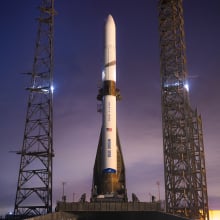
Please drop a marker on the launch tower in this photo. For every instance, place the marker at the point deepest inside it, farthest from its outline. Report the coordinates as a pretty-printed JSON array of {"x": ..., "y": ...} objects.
[
  {"x": 184, "y": 158},
  {"x": 34, "y": 187}
]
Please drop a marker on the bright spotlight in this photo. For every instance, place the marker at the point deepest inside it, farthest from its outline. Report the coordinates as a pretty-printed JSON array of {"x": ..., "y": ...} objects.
[
  {"x": 186, "y": 86},
  {"x": 52, "y": 88}
]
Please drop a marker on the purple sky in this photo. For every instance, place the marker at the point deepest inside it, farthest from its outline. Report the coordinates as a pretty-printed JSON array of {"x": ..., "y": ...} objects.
[{"x": 79, "y": 33}]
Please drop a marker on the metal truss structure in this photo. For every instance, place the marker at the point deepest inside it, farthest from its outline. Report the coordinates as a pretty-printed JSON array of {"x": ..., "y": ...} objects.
[
  {"x": 34, "y": 187},
  {"x": 184, "y": 158}
]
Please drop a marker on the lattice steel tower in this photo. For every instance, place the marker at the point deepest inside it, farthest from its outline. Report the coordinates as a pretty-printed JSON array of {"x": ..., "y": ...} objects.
[
  {"x": 34, "y": 187},
  {"x": 184, "y": 158}
]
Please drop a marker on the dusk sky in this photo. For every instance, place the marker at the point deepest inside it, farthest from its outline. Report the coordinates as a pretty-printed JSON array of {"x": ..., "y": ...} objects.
[{"x": 78, "y": 63}]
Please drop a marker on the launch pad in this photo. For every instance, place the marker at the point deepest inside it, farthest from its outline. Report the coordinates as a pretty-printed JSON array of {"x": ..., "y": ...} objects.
[
  {"x": 134, "y": 210},
  {"x": 109, "y": 211},
  {"x": 109, "y": 193}
]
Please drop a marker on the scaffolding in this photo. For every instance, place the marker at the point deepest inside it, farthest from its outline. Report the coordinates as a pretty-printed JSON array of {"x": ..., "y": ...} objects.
[
  {"x": 34, "y": 186},
  {"x": 184, "y": 158}
]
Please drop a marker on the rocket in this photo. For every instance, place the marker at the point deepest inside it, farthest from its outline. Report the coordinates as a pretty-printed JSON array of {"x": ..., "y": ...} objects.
[{"x": 109, "y": 171}]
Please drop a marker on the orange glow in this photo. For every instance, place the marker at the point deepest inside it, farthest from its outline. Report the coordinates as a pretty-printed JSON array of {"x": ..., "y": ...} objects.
[{"x": 214, "y": 214}]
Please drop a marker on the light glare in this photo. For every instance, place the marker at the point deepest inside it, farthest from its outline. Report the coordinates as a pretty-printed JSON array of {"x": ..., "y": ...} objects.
[
  {"x": 52, "y": 88},
  {"x": 186, "y": 86}
]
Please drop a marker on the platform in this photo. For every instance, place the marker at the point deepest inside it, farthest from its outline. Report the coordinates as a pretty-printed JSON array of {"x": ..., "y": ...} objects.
[
  {"x": 108, "y": 211},
  {"x": 118, "y": 215},
  {"x": 77, "y": 207}
]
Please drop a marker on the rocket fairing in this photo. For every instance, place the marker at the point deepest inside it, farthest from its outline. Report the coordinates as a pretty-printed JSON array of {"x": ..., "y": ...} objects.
[{"x": 109, "y": 170}]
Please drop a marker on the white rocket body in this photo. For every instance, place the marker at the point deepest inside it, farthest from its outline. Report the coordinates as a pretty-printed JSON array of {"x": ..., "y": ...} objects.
[
  {"x": 109, "y": 170},
  {"x": 109, "y": 146}
]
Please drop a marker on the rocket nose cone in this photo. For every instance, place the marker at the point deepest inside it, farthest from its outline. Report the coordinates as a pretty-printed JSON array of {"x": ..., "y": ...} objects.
[
  {"x": 110, "y": 21},
  {"x": 110, "y": 18}
]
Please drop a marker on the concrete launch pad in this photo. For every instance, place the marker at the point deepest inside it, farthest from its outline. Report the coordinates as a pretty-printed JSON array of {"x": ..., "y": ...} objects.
[
  {"x": 149, "y": 215},
  {"x": 108, "y": 211}
]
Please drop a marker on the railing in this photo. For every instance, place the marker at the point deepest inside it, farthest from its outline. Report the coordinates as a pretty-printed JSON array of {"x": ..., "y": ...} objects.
[{"x": 108, "y": 206}]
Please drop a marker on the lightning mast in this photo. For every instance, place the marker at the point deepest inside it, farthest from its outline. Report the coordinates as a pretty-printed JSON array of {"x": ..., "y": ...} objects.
[
  {"x": 34, "y": 186},
  {"x": 184, "y": 158}
]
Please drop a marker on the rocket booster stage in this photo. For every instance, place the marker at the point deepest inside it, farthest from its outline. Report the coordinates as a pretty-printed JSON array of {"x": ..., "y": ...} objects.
[{"x": 109, "y": 171}]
